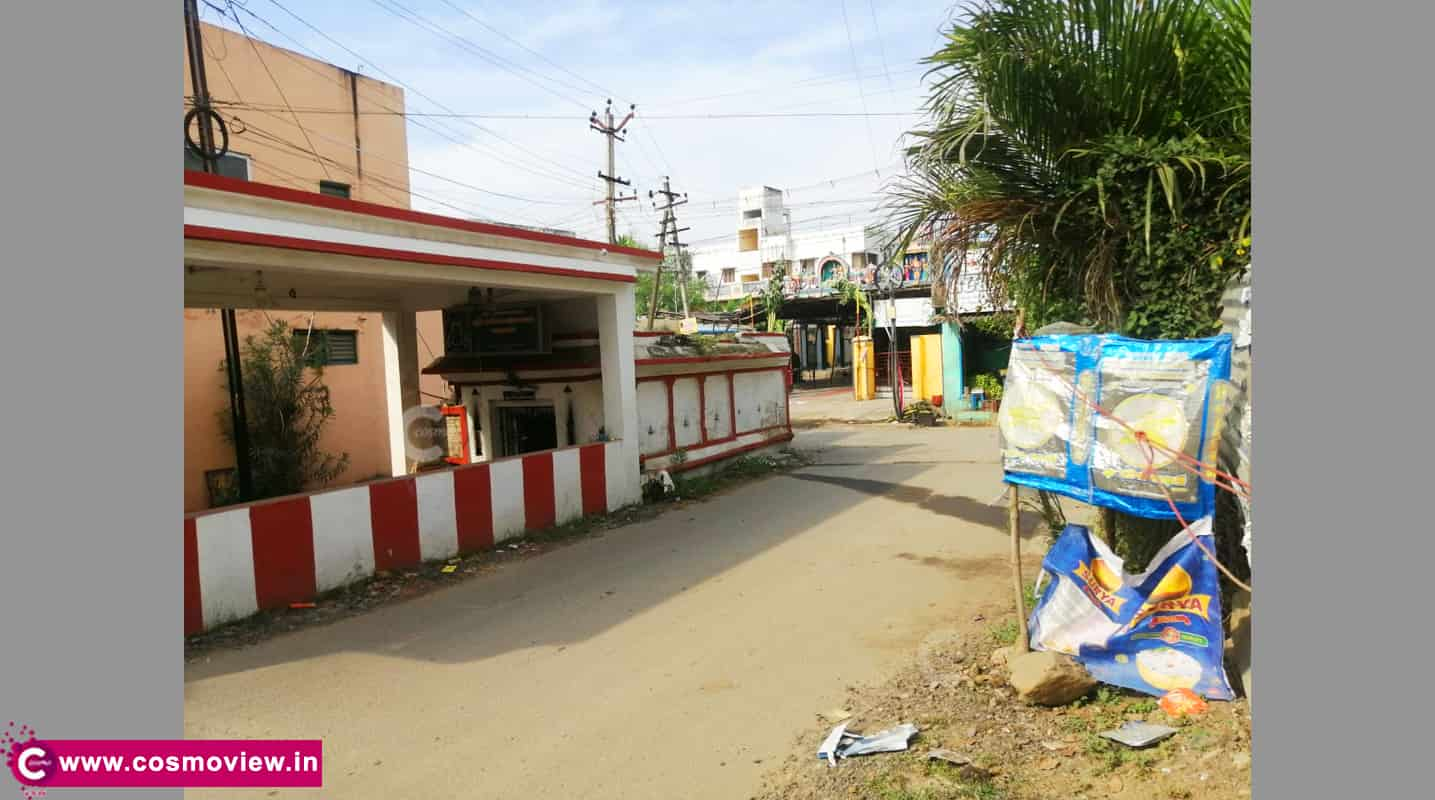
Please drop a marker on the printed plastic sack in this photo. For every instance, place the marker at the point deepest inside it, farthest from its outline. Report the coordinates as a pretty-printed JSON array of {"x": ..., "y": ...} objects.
[
  {"x": 1153, "y": 632},
  {"x": 1175, "y": 392}
]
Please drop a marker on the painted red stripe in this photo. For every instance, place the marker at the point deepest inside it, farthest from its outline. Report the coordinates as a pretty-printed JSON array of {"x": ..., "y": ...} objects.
[
  {"x": 732, "y": 405},
  {"x": 204, "y": 180},
  {"x": 207, "y": 233},
  {"x": 591, "y": 376},
  {"x": 394, "y": 510},
  {"x": 593, "y": 474},
  {"x": 736, "y": 451},
  {"x": 672, "y": 425},
  {"x": 538, "y": 501},
  {"x": 473, "y": 508},
  {"x": 494, "y": 365},
  {"x": 705, "y": 373},
  {"x": 282, "y": 535},
  {"x": 643, "y": 362},
  {"x": 193, "y": 605}
]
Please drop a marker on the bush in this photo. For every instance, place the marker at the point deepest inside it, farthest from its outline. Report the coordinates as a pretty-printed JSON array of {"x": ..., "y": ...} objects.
[{"x": 287, "y": 405}]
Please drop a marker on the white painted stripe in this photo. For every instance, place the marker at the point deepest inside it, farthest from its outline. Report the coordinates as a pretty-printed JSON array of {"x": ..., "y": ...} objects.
[
  {"x": 620, "y": 464},
  {"x": 505, "y": 480},
  {"x": 567, "y": 486},
  {"x": 438, "y": 519},
  {"x": 226, "y": 566},
  {"x": 229, "y": 220},
  {"x": 343, "y": 537}
]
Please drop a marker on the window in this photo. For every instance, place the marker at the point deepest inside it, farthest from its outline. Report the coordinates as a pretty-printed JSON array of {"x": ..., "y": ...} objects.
[
  {"x": 231, "y": 165},
  {"x": 755, "y": 213},
  {"x": 767, "y": 270},
  {"x": 334, "y": 189},
  {"x": 729, "y": 275},
  {"x": 329, "y": 348}
]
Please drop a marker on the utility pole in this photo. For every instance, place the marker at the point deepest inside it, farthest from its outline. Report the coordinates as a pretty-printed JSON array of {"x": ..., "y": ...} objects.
[
  {"x": 670, "y": 228},
  {"x": 209, "y": 155},
  {"x": 613, "y": 132}
]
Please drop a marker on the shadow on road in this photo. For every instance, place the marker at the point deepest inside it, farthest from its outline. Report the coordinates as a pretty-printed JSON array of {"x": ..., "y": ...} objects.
[{"x": 963, "y": 508}]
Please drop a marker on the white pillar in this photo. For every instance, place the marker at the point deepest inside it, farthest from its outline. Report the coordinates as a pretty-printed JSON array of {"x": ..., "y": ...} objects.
[
  {"x": 620, "y": 385},
  {"x": 401, "y": 381}
]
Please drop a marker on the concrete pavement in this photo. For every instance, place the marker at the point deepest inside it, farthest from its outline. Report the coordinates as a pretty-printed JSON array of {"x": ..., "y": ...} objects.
[{"x": 671, "y": 658}]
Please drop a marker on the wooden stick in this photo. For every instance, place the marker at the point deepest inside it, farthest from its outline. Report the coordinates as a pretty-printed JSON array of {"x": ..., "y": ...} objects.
[{"x": 1023, "y": 643}]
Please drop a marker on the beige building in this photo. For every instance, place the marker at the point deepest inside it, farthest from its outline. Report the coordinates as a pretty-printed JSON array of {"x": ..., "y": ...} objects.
[{"x": 363, "y": 156}]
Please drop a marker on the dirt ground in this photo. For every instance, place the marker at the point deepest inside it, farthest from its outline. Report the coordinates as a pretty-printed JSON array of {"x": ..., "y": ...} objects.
[{"x": 956, "y": 695}]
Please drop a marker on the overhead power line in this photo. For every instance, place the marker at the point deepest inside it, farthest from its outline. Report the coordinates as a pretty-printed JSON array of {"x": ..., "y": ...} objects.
[
  {"x": 861, "y": 92},
  {"x": 440, "y": 132},
  {"x": 411, "y": 168},
  {"x": 405, "y": 13},
  {"x": 409, "y": 87},
  {"x": 571, "y": 117},
  {"x": 530, "y": 50}
]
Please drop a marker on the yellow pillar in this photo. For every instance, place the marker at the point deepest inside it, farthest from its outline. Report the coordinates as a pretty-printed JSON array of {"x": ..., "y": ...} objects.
[
  {"x": 864, "y": 369},
  {"x": 927, "y": 366},
  {"x": 831, "y": 343}
]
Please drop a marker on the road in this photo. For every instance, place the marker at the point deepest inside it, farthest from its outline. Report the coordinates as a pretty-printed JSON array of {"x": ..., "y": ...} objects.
[{"x": 676, "y": 657}]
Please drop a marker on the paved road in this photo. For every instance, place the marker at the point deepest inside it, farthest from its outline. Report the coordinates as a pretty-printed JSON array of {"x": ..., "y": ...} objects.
[{"x": 661, "y": 660}]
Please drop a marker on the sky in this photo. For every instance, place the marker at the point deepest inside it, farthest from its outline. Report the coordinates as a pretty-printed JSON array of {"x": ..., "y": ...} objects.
[{"x": 546, "y": 66}]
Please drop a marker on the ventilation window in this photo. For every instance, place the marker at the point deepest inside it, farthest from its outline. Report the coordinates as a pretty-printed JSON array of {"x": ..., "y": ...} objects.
[{"x": 329, "y": 348}]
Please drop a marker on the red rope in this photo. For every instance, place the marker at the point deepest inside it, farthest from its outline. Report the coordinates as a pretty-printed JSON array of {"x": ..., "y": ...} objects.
[
  {"x": 1185, "y": 526},
  {"x": 1194, "y": 465}
]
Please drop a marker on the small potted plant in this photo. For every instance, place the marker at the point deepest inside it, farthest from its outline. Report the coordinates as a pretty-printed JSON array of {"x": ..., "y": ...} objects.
[{"x": 990, "y": 387}]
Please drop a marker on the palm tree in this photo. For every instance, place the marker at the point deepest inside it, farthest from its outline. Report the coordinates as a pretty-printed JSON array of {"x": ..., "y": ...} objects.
[
  {"x": 851, "y": 292},
  {"x": 1094, "y": 154}
]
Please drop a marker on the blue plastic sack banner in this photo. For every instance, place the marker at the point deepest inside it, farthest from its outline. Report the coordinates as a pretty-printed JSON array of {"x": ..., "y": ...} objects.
[
  {"x": 1154, "y": 632},
  {"x": 1177, "y": 392}
]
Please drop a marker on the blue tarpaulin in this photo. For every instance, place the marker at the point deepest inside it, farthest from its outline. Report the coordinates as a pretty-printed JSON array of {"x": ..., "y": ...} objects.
[{"x": 1174, "y": 393}]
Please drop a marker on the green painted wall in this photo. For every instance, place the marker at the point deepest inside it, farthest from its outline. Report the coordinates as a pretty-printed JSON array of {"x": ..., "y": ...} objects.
[{"x": 952, "y": 383}]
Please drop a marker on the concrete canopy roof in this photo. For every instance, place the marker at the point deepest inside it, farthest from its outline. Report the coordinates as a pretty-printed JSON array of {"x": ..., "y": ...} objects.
[{"x": 310, "y": 251}]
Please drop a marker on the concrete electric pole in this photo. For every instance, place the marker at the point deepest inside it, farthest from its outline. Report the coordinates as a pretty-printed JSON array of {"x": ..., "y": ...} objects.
[
  {"x": 670, "y": 229},
  {"x": 613, "y": 133}
]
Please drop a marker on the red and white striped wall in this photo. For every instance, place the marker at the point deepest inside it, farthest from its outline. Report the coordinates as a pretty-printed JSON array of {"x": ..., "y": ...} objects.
[{"x": 266, "y": 555}]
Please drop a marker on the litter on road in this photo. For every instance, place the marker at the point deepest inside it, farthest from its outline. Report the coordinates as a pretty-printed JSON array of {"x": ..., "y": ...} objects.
[
  {"x": 841, "y": 743},
  {"x": 949, "y": 756},
  {"x": 1139, "y": 734}
]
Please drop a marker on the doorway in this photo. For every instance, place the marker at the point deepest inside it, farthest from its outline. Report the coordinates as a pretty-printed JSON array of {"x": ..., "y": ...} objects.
[{"x": 524, "y": 429}]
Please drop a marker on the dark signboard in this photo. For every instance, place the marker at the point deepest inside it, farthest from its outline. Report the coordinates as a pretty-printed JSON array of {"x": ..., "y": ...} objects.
[{"x": 479, "y": 330}]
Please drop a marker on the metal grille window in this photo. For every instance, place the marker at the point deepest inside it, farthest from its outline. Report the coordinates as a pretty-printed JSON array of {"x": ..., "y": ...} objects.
[
  {"x": 334, "y": 189},
  {"x": 330, "y": 348},
  {"x": 231, "y": 165}
]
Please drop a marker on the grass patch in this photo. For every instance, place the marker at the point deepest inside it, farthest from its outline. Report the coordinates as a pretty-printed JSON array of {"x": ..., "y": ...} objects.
[
  {"x": 889, "y": 787},
  {"x": 1004, "y": 633}
]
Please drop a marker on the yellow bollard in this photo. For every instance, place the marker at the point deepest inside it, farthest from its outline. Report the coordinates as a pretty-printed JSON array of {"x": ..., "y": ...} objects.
[{"x": 864, "y": 369}]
